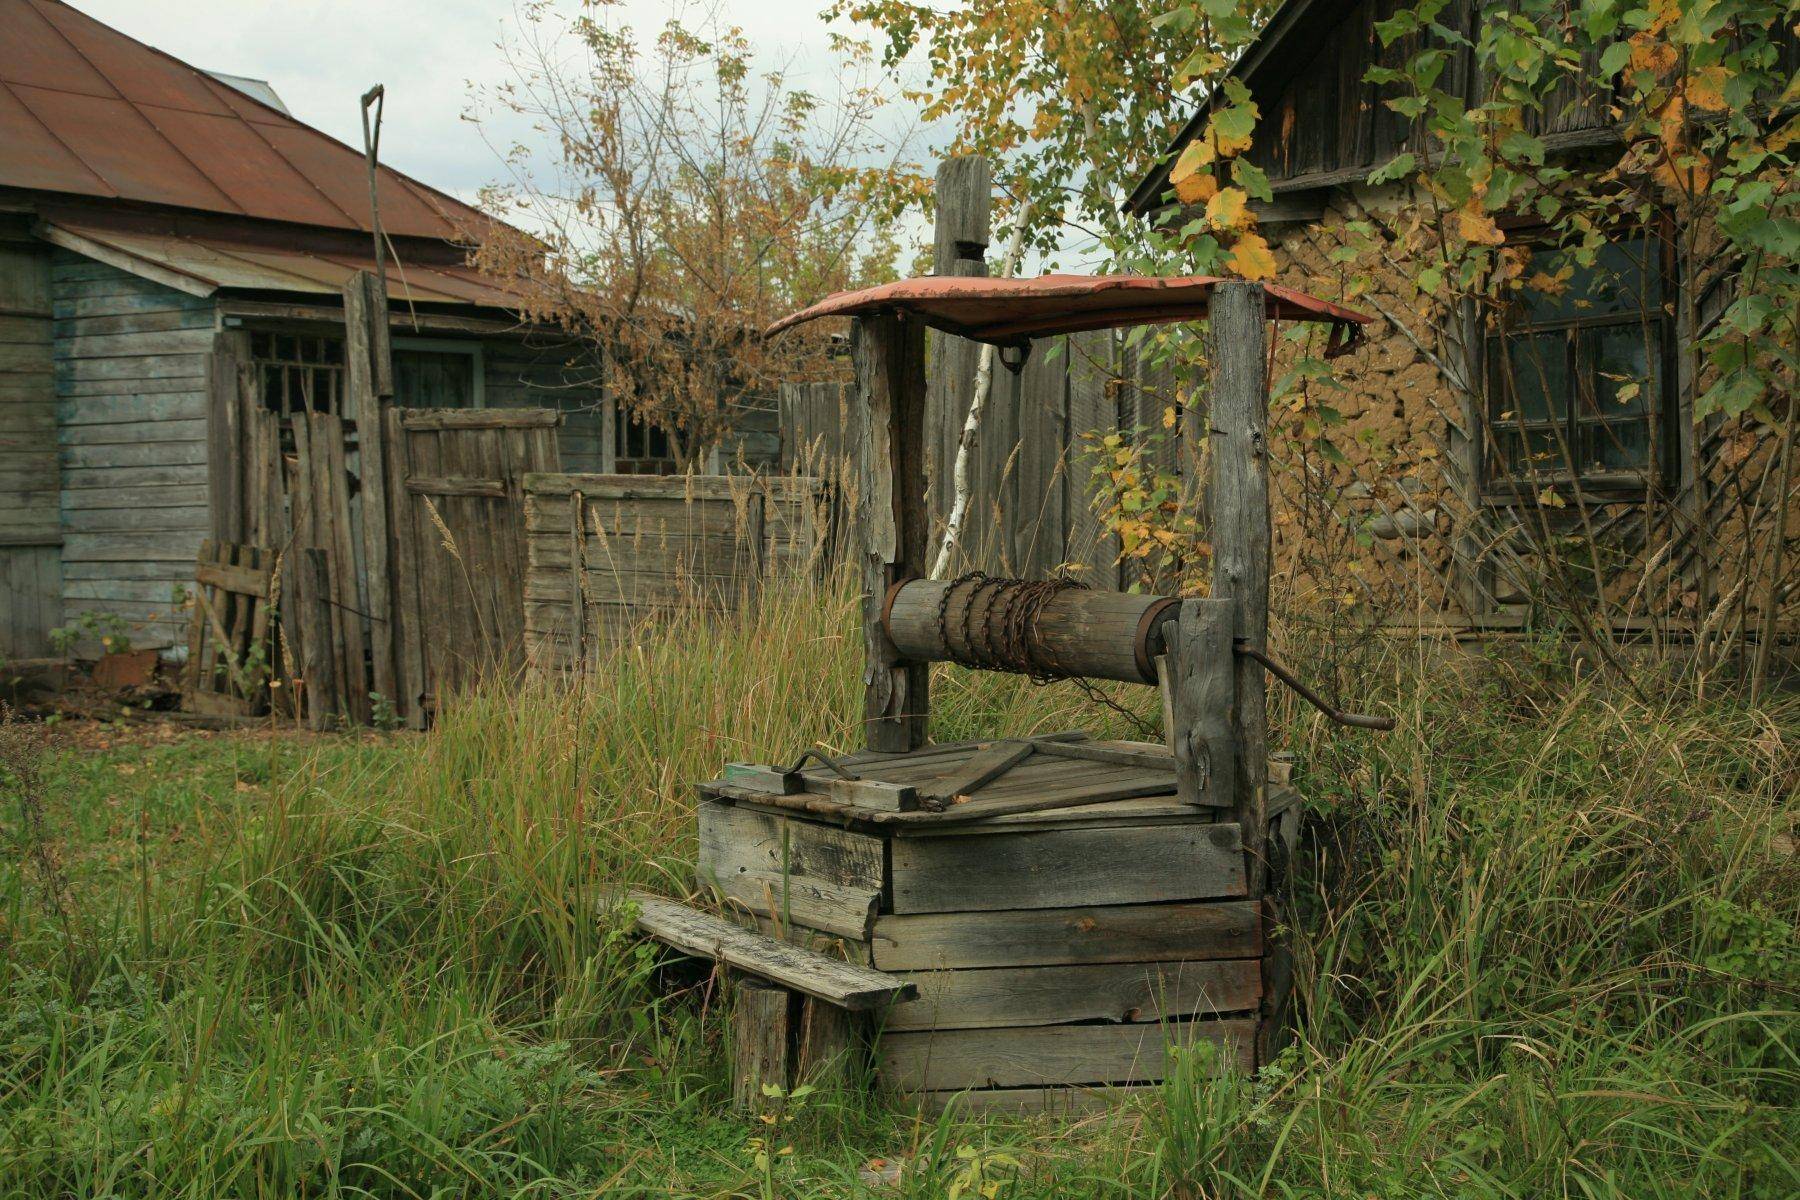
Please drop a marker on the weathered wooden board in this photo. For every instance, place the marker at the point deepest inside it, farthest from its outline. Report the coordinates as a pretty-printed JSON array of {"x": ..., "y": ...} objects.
[
  {"x": 1093, "y": 934},
  {"x": 1031, "y": 1102},
  {"x": 846, "y": 985},
  {"x": 1007, "y": 997},
  {"x": 844, "y": 911},
  {"x": 735, "y": 841},
  {"x": 1051, "y": 1055},
  {"x": 1059, "y": 868}
]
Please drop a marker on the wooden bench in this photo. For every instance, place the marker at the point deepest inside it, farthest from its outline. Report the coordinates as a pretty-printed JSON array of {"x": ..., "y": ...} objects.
[{"x": 798, "y": 1015}]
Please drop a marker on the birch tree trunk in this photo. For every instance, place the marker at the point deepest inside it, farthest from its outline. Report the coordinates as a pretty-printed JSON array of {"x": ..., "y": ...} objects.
[{"x": 971, "y": 430}]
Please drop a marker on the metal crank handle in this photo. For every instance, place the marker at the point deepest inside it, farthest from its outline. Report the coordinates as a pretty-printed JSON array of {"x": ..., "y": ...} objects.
[{"x": 1353, "y": 720}]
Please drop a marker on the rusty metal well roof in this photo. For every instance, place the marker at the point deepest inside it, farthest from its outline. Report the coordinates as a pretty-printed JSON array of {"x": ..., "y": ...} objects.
[
  {"x": 202, "y": 265},
  {"x": 85, "y": 110},
  {"x": 1006, "y": 312}
]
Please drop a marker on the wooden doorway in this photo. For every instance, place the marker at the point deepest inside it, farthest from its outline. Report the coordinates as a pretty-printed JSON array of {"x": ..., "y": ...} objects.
[{"x": 457, "y": 530}]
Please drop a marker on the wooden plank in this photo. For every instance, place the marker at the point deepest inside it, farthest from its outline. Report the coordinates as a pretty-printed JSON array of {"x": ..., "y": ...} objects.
[
  {"x": 762, "y": 1018},
  {"x": 1239, "y": 504},
  {"x": 1032, "y": 1102},
  {"x": 859, "y": 989},
  {"x": 1052, "y": 1055},
  {"x": 494, "y": 489},
  {"x": 737, "y": 841},
  {"x": 409, "y": 648},
  {"x": 1203, "y": 696},
  {"x": 982, "y": 768},
  {"x": 1008, "y": 997},
  {"x": 1088, "y": 934},
  {"x": 248, "y": 581},
  {"x": 889, "y": 357},
  {"x": 317, "y": 660},
  {"x": 438, "y": 419},
  {"x": 1056, "y": 869},
  {"x": 368, "y": 376},
  {"x": 794, "y": 899},
  {"x": 334, "y": 494}
]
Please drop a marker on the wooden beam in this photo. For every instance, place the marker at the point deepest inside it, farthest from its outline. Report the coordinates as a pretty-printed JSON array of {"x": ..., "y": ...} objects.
[
  {"x": 859, "y": 989},
  {"x": 1205, "y": 687},
  {"x": 1239, "y": 503},
  {"x": 889, "y": 356}
]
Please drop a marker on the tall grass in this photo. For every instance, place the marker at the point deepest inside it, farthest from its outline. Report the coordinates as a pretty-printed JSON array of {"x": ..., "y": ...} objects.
[{"x": 1545, "y": 936}]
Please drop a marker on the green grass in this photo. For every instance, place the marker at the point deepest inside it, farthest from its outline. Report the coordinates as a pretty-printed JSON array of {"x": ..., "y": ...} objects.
[{"x": 1546, "y": 948}]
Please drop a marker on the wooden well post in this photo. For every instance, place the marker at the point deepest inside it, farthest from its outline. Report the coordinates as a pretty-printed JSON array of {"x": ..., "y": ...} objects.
[{"x": 888, "y": 351}]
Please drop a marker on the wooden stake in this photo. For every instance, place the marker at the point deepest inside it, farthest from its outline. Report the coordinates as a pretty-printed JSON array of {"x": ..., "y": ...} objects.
[{"x": 889, "y": 355}]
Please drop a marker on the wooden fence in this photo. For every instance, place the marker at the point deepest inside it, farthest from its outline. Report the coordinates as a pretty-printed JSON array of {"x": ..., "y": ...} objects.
[
  {"x": 1032, "y": 510},
  {"x": 606, "y": 553}
]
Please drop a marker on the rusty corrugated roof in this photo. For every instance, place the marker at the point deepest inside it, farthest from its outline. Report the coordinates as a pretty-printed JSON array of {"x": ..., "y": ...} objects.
[
  {"x": 1008, "y": 311},
  {"x": 202, "y": 265},
  {"x": 87, "y": 111}
]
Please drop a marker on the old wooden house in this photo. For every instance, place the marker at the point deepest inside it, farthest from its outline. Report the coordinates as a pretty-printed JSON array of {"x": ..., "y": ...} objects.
[
  {"x": 1469, "y": 451},
  {"x": 165, "y": 235}
]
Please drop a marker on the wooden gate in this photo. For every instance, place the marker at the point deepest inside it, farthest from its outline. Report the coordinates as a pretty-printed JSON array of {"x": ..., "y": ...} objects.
[{"x": 455, "y": 492}]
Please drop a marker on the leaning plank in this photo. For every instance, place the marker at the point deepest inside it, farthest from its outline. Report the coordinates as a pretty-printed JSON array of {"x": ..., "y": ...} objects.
[
  {"x": 706, "y": 936},
  {"x": 1105, "y": 934},
  {"x": 1051, "y": 1055},
  {"x": 1128, "y": 865},
  {"x": 1132, "y": 993}
]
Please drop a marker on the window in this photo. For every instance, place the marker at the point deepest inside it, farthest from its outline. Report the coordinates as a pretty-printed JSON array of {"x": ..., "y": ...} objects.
[
  {"x": 641, "y": 447},
  {"x": 299, "y": 372},
  {"x": 1576, "y": 372},
  {"x": 438, "y": 373}
]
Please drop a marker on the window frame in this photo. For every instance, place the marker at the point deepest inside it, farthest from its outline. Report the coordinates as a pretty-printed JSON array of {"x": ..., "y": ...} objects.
[{"x": 1501, "y": 486}]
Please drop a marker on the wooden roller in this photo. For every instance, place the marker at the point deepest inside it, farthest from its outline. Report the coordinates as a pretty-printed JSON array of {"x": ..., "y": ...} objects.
[{"x": 1073, "y": 632}]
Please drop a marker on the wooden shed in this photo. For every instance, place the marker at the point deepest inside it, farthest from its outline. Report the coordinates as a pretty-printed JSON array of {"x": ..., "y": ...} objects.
[{"x": 167, "y": 241}]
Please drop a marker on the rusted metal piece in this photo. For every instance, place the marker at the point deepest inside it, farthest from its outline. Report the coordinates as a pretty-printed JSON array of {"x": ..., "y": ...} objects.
[
  {"x": 1353, "y": 720},
  {"x": 85, "y": 110},
  {"x": 1010, "y": 312}
]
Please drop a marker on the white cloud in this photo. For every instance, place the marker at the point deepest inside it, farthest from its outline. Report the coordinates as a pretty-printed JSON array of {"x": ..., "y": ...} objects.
[{"x": 321, "y": 55}]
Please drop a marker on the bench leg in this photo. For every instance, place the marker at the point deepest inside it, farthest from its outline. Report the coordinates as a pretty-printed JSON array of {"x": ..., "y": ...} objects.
[
  {"x": 829, "y": 1049},
  {"x": 762, "y": 1029}
]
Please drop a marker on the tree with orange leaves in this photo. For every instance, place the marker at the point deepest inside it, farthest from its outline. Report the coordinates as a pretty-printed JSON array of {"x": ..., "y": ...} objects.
[{"x": 689, "y": 200}]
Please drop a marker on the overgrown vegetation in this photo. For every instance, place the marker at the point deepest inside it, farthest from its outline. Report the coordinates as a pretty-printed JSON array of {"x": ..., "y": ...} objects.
[{"x": 1548, "y": 949}]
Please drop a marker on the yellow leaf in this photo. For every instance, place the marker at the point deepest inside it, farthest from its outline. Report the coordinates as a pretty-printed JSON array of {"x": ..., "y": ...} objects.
[
  {"x": 1195, "y": 155},
  {"x": 1706, "y": 88},
  {"x": 1251, "y": 257},
  {"x": 1227, "y": 210},
  {"x": 1550, "y": 498},
  {"x": 1169, "y": 417},
  {"x": 1476, "y": 226},
  {"x": 1196, "y": 189}
]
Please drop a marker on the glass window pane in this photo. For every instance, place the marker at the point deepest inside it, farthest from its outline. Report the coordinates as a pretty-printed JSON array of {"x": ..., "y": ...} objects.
[
  {"x": 1618, "y": 365},
  {"x": 1615, "y": 445},
  {"x": 1532, "y": 381},
  {"x": 1623, "y": 278}
]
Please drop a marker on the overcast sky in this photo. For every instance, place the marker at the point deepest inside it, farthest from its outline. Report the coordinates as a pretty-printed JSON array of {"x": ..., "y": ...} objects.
[{"x": 321, "y": 55}]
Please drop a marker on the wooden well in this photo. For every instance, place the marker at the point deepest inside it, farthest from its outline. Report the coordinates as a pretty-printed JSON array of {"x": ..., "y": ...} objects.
[
  {"x": 1041, "y": 919},
  {"x": 1057, "y": 953}
]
